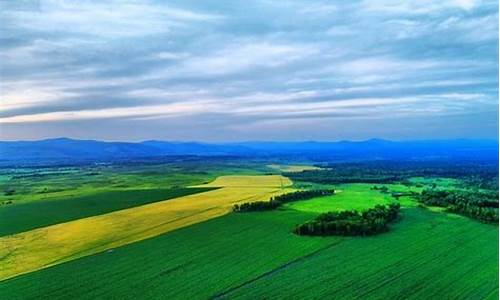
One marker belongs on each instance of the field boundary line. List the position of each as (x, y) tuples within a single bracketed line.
[(222, 294)]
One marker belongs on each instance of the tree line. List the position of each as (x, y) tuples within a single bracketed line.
[(351, 223), (277, 201), (473, 174), (480, 205)]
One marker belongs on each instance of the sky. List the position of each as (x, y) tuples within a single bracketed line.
[(249, 70)]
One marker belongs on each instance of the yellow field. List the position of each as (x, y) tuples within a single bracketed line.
[(39, 248), (268, 181), (293, 168)]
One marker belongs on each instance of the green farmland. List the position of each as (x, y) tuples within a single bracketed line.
[(255, 256), (249, 150), (349, 196), (427, 254)]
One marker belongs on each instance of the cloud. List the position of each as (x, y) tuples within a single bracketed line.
[(466, 4), (299, 62), (418, 7), (175, 109), (110, 19), (340, 31), (165, 55), (273, 106), (246, 55), (320, 9)]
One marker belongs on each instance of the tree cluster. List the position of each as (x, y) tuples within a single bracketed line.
[(351, 223), (277, 201), (256, 206), (382, 189), (481, 205)]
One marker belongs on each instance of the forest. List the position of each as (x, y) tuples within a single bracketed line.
[(351, 223), (480, 205), (474, 174)]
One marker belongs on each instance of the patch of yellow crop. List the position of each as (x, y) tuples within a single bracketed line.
[(268, 181), (292, 168), (39, 248)]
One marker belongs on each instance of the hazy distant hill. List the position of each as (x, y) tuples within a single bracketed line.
[(70, 149), (385, 149)]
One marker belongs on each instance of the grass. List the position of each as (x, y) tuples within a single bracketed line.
[(34, 214), (255, 256), (357, 196), (42, 247)]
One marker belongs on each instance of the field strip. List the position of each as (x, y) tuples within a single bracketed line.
[(293, 168), (223, 294), (39, 248)]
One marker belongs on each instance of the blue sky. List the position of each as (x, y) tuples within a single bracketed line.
[(249, 70)]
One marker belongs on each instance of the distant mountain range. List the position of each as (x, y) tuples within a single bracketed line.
[(64, 149)]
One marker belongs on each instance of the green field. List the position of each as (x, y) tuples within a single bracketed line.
[(348, 196), (441, 182), (428, 254), (34, 184), (358, 196), (46, 246), (255, 255), (34, 214), (47, 196)]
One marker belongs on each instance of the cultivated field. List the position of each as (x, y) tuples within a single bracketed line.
[(42, 247), (190, 247), (34, 214), (292, 168), (358, 196), (246, 181), (426, 255)]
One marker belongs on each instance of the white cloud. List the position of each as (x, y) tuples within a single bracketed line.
[(109, 20), (466, 4), (417, 7), (477, 29), (341, 31), (28, 94), (320, 9), (379, 67), (166, 110), (165, 55), (241, 56)]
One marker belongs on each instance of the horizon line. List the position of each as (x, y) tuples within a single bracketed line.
[(258, 141)]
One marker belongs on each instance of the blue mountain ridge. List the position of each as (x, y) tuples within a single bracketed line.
[(65, 149)]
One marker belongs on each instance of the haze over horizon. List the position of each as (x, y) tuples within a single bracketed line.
[(215, 71)]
